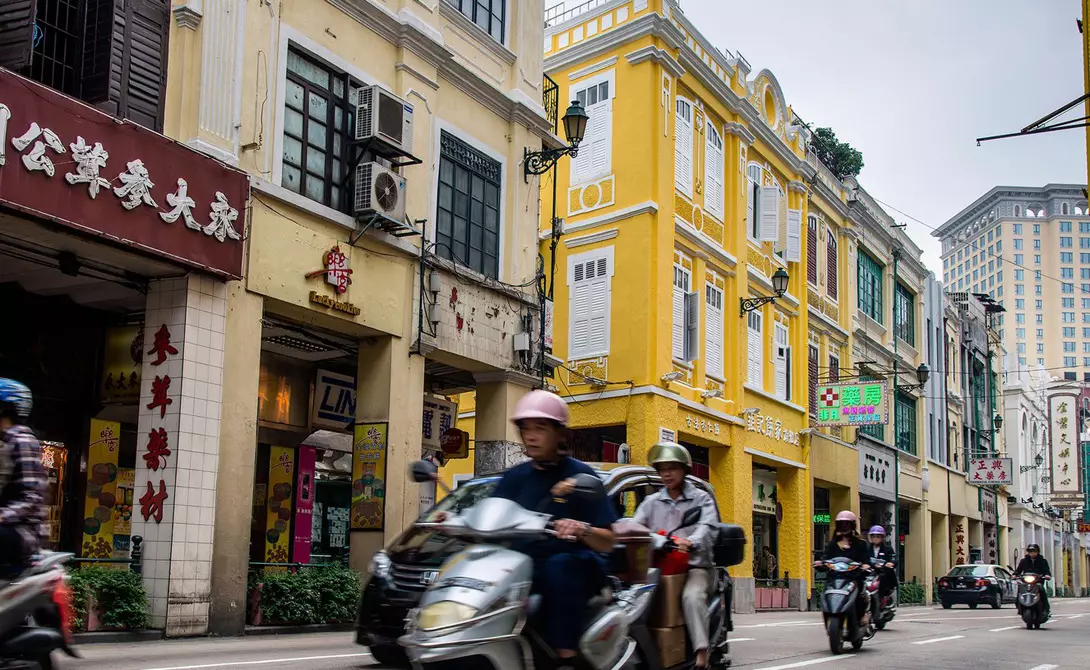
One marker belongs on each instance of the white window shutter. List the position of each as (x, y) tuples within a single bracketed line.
[(683, 148), (580, 314), (713, 334), (794, 236), (679, 324), (714, 173), (692, 323), (770, 214), (589, 309), (780, 361), (755, 351), (601, 151)]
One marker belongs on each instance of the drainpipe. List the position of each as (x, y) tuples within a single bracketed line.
[(896, 449)]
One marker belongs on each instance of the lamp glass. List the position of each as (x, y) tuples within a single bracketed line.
[(1038, 459), (923, 373), (997, 421), (575, 123), (779, 281)]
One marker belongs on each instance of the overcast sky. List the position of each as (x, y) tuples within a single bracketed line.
[(912, 84)]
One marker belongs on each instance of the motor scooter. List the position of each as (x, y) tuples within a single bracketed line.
[(840, 606), (883, 609), (1031, 606), (36, 615)]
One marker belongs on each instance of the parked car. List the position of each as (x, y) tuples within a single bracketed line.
[(974, 585), (401, 573)]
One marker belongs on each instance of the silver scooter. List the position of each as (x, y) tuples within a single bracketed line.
[(36, 615), (476, 610)]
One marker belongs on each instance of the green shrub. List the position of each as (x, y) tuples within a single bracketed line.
[(119, 594), (310, 596), (911, 594)]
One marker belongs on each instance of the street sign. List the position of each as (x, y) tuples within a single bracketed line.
[(858, 404), (1063, 436), (984, 471)]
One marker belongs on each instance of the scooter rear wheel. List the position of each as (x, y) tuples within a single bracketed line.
[(835, 629)]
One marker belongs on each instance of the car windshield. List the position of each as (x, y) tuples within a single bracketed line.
[(465, 496), (969, 571)]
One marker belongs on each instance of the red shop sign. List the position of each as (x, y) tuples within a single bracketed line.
[(66, 162)]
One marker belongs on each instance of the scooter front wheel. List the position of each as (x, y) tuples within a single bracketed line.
[(835, 628)]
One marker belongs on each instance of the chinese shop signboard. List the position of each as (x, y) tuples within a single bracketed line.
[(1063, 450), (66, 162), (858, 404), (440, 416), (368, 476), (98, 505), (990, 471)]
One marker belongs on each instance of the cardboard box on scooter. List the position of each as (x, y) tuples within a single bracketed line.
[(666, 611), (671, 644)]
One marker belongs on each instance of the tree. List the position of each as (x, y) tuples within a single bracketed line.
[(839, 157)]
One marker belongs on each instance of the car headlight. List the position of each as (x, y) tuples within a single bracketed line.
[(444, 613), (381, 565)]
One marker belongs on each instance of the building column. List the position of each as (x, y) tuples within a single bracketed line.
[(178, 440), (843, 498), (731, 474), (917, 548), (390, 389), (959, 540), (795, 496), (940, 542), (498, 444), (238, 429)]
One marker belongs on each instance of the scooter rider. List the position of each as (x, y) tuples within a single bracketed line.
[(885, 562), (21, 503), (663, 511), (848, 544), (1034, 563), (570, 569)]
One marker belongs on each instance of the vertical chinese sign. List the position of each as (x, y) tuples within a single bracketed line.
[(368, 476), (1063, 438), (156, 450), (278, 510), (439, 416), (961, 544), (304, 505), (98, 506)]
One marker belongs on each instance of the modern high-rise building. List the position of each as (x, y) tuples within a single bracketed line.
[(1029, 248)]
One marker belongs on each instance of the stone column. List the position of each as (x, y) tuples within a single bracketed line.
[(940, 545), (795, 531), (238, 434), (178, 442), (917, 546), (732, 476), (498, 444)]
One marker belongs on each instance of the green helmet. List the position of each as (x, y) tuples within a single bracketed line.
[(670, 452)]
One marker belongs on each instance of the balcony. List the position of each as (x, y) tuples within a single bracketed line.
[(550, 100), (565, 11)]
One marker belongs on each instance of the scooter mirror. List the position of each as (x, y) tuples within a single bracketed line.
[(588, 487), (690, 518), (422, 471)]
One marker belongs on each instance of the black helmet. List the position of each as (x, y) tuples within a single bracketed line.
[(1033, 547)]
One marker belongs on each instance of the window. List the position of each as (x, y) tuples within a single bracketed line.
[(686, 311), (1086, 332), (1086, 347), (811, 250), (489, 15), (1069, 347), (1067, 257), (1021, 347), (589, 281), (1021, 332), (904, 314), (989, 236), (1018, 244), (1037, 289), (753, 200), (834, 369), (1019, 259), (683, 146), (713, 169), (870, 286), (755, 349), (905, 422), (1036, 229), (1019, 275), (1036, 275), (1084, 242), (468, 230), (1037, 304), (319, 111), (878, 431), (713, 331), (1019, 289), (1069, 331), (991, 266), (1069, 362), (595, 157), (1017, 229), (1040, 347), (1040, 318), (782, 361), (1068, 303), (1020, 303), (1065, 243), (1065, 226), (1067, 317), (1084, 273), (1019, 317), (1067, 273), (813, 365)]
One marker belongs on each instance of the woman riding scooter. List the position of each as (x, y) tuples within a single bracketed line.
[(848, 544), (884, 559)]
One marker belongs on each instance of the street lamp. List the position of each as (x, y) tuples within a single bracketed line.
[(575, 127), (923, 373), (1037, 461), (997, 422), (780, 279)]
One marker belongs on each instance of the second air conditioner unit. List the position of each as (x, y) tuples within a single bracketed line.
[(386, 121), (379, 190)]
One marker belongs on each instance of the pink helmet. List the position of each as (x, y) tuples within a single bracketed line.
[(846, 515), (542, 405)]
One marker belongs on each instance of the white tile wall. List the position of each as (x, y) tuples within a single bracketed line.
[(178, 551)]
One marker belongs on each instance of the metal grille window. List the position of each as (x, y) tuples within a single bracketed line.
[(56, 60), (319, 114), (904, 315), (489, 15), (468, 230), (905, 422), (870, 286)]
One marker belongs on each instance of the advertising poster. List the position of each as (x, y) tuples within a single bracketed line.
[(278, 510), (98, 506), (121, 365), (368, 476), (126, 479), (440, 416), (304, 505)]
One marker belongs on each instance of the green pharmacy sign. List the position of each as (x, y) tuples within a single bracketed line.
[(859, 404)]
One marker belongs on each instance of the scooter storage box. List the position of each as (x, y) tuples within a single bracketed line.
[(730, 545), (671, 644), (666, 609), (632, 553)]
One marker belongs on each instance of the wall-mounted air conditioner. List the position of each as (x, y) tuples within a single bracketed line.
[(386, 121), (379, 190)]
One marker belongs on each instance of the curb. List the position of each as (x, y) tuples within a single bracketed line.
[(259, 631), (117, 637)]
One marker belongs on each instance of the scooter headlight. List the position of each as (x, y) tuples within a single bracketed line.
[(381, 566), (444, 613), (1029, 579)]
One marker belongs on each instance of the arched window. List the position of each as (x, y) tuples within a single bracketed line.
[(1017, 210), (1065, 209)]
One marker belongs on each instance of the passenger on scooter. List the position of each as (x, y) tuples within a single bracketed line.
[(886, 561), (21, 503), (1034, 563), (570, 569), (663, 511), (848, 544)]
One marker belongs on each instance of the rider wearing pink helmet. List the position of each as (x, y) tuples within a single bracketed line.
[(846, 541)]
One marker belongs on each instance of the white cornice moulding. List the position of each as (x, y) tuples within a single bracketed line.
[(591, 69), (703, 244), (739, 130), (656, 55), (188, 15), (649, 207), (593, 238)]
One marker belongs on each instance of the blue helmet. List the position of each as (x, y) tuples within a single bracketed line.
[(876, 530), (15, 398)]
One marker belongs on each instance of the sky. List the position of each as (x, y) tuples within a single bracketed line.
[(913, 84)]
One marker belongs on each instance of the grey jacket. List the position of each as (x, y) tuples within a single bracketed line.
[(659, 511)]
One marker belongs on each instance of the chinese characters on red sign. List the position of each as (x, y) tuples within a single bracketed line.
[(157, 450)]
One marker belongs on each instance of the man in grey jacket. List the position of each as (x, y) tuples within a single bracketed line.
[(663, 511)]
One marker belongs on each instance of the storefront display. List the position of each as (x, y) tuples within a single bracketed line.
[(304, 506), (98, 505), (368, 476), (279, 512), (55, 464)]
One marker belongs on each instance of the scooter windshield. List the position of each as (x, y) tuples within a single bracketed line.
[(499, 517)]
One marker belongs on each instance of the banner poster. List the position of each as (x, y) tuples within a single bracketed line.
[(304, 505), (98, 505), (126, 479), (278, 510), (368, 476)]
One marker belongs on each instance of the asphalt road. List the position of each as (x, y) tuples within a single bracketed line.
[(930, 638)]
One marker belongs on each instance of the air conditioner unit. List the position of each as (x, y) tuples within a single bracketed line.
[(386, 121), (379, 191)]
